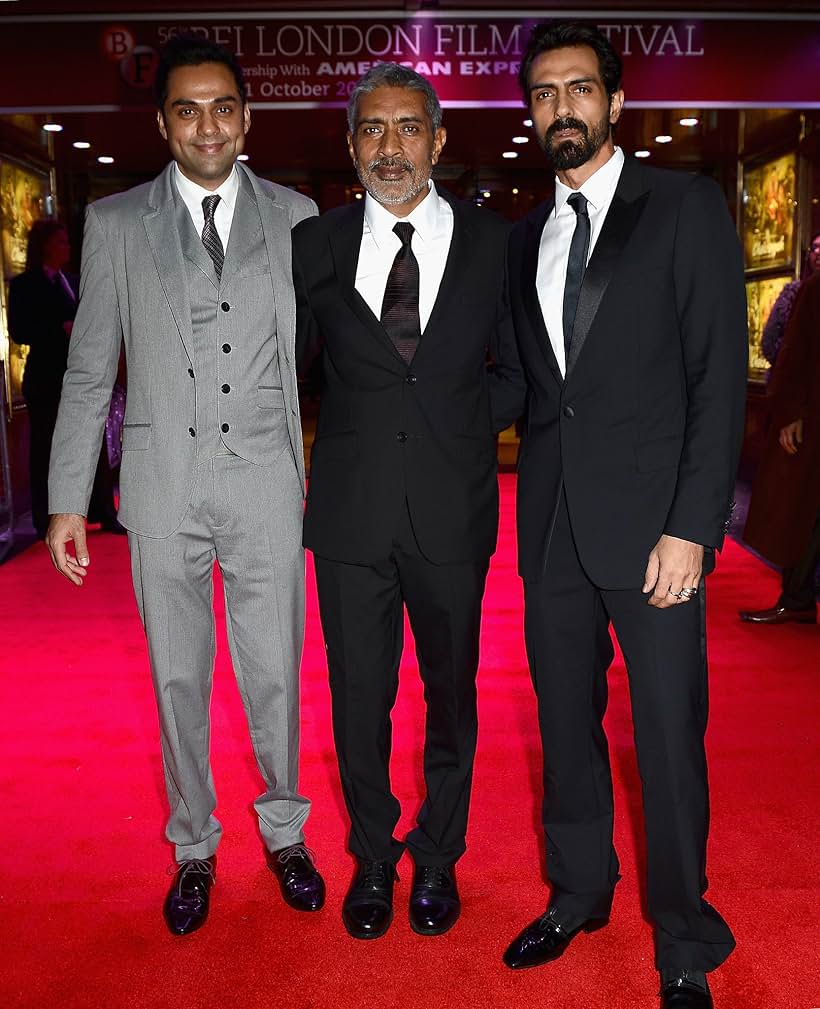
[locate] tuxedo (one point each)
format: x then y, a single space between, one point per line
212 471
402 510
638 438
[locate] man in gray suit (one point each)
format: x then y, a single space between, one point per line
192 271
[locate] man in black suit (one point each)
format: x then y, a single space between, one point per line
628 303
404 292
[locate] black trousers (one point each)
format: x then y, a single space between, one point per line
567 622
362 611
798 583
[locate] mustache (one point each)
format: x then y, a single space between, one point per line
408 166
567 123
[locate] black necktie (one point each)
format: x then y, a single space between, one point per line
210 236
400 307
576 264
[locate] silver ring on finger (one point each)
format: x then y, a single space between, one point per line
689 593
675 595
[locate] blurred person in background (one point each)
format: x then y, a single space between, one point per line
783 513
42 306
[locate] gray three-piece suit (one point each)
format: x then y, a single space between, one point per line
212 469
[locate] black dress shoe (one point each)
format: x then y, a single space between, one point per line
779 615
186 906
684 989
434 900
368 907
299 880
545 939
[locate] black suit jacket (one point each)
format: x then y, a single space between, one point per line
387 430
37 310
645 430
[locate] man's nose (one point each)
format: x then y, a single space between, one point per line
390 143
208 125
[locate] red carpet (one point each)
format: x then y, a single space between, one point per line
82 862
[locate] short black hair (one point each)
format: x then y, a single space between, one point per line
193 51
563 34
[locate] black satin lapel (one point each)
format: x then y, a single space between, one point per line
345 244
621 220
532 246
457 263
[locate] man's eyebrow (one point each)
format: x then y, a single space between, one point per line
211 101
397 119
575 80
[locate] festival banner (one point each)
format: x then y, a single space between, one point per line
302 60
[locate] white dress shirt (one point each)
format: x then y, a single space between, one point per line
553 253
432 220
193 195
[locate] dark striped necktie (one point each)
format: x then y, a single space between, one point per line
576 264
400 307
210 236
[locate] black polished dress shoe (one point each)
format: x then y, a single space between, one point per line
186 906
779 615
684 989
545 939
434 901
299 880
368 907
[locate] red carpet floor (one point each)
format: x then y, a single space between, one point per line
82 860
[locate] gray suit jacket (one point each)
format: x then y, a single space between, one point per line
134 290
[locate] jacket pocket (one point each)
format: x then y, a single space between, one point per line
136 437
270 397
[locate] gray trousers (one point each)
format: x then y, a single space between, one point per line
247 519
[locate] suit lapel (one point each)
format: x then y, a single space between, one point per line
621 220
345 243
163 235
245 229
532 306
457 264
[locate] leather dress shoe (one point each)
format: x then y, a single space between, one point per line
299 880
186 906
545 939
368 907
434 900
779 615
684 989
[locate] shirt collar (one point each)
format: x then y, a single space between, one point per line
598 188
424 218
191 192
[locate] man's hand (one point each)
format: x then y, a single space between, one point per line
673 565
62 529
791 436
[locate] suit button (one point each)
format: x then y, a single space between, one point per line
226 348
569 412
191 372
226 428
401 436
226 388
411 380
225 306
192 432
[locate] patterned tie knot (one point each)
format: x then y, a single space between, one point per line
404 229
578 202
209 204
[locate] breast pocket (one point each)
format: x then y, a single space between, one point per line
136 437
270 397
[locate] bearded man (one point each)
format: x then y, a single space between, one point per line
403 295
628 301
